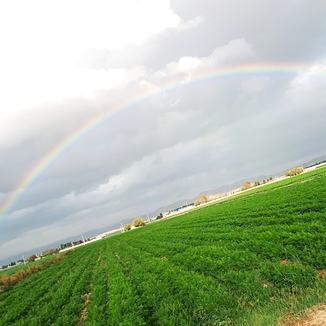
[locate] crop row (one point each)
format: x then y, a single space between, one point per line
53 295
256 248
214 266
113 299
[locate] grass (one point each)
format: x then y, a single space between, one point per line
253 259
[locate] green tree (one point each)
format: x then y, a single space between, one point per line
127 227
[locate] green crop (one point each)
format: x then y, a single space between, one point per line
247 260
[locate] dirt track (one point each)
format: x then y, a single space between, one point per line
315 316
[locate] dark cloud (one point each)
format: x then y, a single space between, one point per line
173 141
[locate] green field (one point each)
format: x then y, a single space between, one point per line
16 268
248 260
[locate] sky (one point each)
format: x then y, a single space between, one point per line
111 109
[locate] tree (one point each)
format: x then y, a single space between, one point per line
127 227
137 222
247 185
204 199
294 171
257 183
32 258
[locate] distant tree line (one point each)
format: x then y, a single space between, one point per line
247 185
315 164
72 243
33 257
9 265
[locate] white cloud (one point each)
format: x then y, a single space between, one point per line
61 82
191 23
235 51
44 106
311 77
41 38
103 24
305 88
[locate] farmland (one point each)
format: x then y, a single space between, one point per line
248 260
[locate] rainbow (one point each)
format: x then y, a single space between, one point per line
72 138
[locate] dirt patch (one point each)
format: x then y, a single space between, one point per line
83 315
322 274
314 316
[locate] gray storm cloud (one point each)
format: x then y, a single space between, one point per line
171 145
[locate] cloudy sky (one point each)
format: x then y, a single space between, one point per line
169 124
